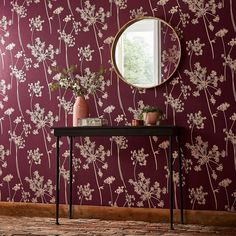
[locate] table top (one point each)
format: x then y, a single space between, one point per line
167 130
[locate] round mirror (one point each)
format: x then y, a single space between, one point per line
146 52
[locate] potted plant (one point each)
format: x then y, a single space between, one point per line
81 84
152 115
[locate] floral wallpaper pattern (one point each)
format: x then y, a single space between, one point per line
36 35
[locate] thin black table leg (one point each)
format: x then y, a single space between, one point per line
57 180
70 163
171 183
180 182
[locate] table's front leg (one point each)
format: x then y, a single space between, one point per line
180 182
57 179
170 182
70 164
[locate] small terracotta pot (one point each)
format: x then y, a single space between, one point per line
136 122
151 118
80 109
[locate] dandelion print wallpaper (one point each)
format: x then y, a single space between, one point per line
37 35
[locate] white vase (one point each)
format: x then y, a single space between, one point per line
80 109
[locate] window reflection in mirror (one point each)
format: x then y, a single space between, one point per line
146 52
135 53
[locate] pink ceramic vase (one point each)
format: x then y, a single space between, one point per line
80 109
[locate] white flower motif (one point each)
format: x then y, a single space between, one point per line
164 145
65 173
109 109
230 63
3 92
223 107
137 113
4 23
205 83
162 2
21 11
19 74
85 192
10 46
95 20
208 158
122 4
119 190
205 10
85 53
93 155
17 139
9 111
36 23
196 120
58 10
195 47
225 182
68 39
139 157
42 190
40 119
89 15
96 158
137 13
197 195
109 180
109 40
35 89
232 42
148 193
34 156
121 141
232 138
41 53
8 178
3 154
175 103
221 33
66 105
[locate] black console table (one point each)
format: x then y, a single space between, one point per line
71 132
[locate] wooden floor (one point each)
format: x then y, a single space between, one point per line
211 218
39 220
43 226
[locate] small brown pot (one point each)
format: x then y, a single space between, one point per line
151 118
136 122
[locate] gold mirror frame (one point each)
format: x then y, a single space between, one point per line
118 36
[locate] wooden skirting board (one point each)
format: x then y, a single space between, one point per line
219 218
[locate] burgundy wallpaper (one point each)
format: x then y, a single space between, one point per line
119 171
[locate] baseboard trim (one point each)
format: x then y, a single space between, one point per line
219 218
